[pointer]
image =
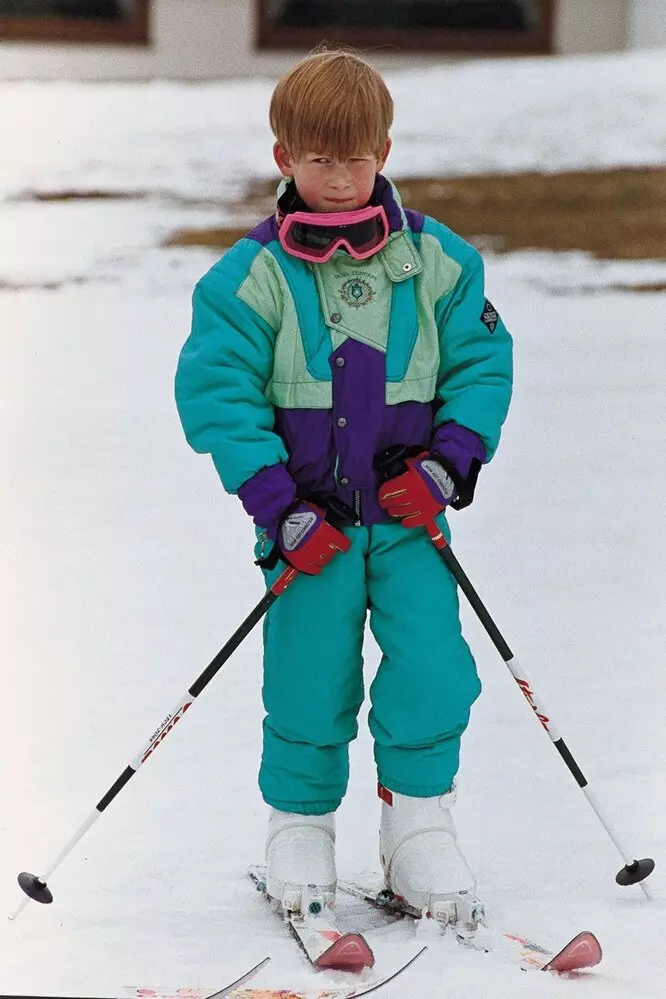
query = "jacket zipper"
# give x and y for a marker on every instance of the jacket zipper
(357, 506)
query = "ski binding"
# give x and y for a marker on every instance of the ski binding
(315, 928)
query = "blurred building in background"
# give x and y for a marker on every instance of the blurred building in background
(210, 39)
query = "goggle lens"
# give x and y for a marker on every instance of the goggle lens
(316, 238)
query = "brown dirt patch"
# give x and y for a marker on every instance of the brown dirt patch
(74, 195)
(613, 214)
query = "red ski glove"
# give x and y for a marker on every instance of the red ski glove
(420, 493)
(308, 541)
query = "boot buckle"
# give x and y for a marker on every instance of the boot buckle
(470, 915)
(463, 912)
(306, 901)
(443, 912)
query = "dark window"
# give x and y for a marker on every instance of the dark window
(124, 21)
(458, 25)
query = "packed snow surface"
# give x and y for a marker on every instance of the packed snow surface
(125, 566)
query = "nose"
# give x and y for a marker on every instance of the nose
(342, 177)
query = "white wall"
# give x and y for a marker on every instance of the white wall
(592, 25)
(207, 39)
(648, 24)
(191, 39)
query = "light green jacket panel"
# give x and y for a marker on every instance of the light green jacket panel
(223, 371)
(476, 352)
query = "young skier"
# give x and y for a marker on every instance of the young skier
(340, 326)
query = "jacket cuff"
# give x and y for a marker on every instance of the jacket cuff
(462, 452)
(458, 446)
(267, 496)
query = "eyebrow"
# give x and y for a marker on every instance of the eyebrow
(331, 156)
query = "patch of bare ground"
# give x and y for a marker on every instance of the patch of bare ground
(642, 287)
(617, 214)
(74, 195)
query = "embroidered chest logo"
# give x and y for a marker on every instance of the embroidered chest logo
(356, 292)
(490, 316)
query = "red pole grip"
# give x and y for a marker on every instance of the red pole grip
(436, 536)
(284, 580)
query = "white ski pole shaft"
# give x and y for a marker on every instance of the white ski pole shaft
(634, 871)
(35, 887)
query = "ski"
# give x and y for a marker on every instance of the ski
(352, 992)
(325, 945)
(146, 992)
(583, 951)
(161, 992)
(235, 991)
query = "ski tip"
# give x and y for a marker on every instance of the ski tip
(584, 951)
(350, 953)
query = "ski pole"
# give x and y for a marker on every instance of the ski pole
(390, 463)
(35, 887)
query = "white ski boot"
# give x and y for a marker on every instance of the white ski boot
(300, 860)
(422, 862)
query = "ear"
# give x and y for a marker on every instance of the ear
(283, 160)
(384, 156)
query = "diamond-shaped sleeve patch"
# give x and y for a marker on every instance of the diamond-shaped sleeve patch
(490, 316)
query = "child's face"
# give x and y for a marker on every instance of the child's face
(327, 184)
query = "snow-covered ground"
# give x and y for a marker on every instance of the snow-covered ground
(124, 566)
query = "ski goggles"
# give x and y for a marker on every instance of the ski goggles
(316, 236)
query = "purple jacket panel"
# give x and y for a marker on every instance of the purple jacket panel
(265, 232)
(331, 450)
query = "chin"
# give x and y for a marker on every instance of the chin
(347, 206)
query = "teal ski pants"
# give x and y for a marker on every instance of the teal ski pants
(421, 694)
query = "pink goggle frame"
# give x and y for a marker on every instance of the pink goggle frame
(315, 236)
